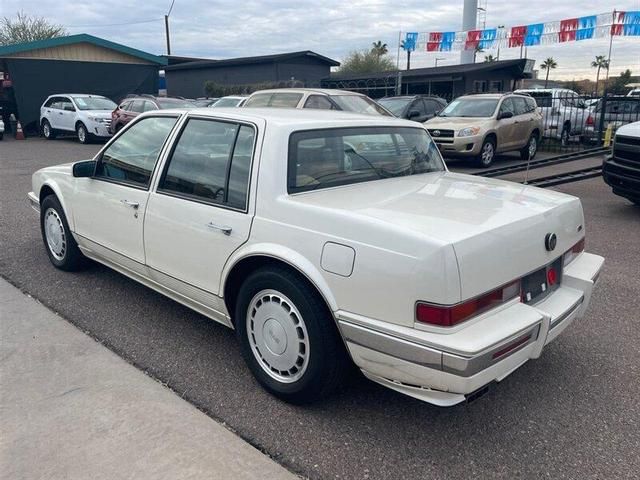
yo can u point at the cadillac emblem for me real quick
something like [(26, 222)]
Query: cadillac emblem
[(550, 241)]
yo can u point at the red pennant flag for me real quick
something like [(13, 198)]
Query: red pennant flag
[(433, 46), (435, 37), (516, 38), (567, 36), (616, 29), (568, 25), (474, 35)]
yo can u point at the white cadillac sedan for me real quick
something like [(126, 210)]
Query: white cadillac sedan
[(325, 238)]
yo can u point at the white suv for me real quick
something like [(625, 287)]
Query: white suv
[(88, 116), (564, 112)]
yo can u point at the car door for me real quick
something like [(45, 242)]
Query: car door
[(506, 128), (199, 214), (417, 111), (67, 115), (55, 112), (431, 107), (109, 208), (524, 121)]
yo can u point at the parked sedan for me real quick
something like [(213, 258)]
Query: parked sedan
[(87, 116), (418, 108), (611, 112), (325, 239), (133, 106)]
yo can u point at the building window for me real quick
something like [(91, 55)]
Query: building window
[(497, 86), (479, 86)]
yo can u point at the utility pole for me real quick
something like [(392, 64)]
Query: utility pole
[(166, 28)]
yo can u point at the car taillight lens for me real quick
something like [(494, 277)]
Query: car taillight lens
[(573, 252), (450, 315), (590, 122)]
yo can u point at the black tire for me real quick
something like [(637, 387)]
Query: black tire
[(67, 255), (484, 158), (47, 131), (525, 152), (326, 364), (1, 136), (83, 134)]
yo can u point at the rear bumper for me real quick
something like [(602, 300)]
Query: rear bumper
[(443, 368)]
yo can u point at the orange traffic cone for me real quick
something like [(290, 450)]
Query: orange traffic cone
[(19, 132)]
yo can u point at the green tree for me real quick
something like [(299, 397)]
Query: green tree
[(548, 64), (365, 61), (25, 28), (618, 84), (599, 62), (379, 48), (490, 58)]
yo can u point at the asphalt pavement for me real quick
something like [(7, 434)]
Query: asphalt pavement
[(573, 413)]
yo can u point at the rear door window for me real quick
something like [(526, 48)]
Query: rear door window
[(319, 102), (137, 106), (507, 106), (520, 105)]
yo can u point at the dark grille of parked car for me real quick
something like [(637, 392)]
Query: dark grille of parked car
[(626, 150), (441, 136)]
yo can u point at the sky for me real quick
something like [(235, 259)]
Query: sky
[(227, 29)]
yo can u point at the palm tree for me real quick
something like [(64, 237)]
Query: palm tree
[(379, 48), (402, 46), (599, 62), (547, 65), (490, 58)]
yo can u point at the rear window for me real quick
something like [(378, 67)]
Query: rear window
[(395, 105), (543, 99), (342, 156), (274, 100), (165, 103)]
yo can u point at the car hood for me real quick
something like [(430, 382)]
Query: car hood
[(456, 123), (496, 228), (97, 113), (631, 130)]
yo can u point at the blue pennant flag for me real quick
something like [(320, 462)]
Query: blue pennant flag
[(410, 41)]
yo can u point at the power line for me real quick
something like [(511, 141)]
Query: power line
[(113, 24), (171, 7)]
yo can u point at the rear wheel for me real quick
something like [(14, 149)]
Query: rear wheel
[(487, 153), (61, 247), (288, 337), (47, 131), (530, 149)]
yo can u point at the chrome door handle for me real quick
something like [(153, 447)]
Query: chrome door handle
[(224, 229), (131, 204)]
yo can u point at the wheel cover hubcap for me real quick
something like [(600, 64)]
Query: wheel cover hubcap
[(46, 130), (533, 146), (487, 153), (81, 134), (278, 336), (54, 234)]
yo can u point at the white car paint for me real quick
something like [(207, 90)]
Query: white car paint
[(96, 121), (371, 249)]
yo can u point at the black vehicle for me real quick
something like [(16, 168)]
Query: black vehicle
[(621, 171), (419, 108)]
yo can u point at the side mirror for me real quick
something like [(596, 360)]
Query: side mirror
[(84, 169), (413, 114), (505, 115)]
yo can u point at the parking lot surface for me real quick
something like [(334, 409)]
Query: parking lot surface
[(573, 413)]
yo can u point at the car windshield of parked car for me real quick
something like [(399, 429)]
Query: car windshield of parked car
[(227, 102), (358, 104), (342, 156), (470, 107), (94, 103), (165, 103), (395, 105)]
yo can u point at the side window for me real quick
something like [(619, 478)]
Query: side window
[(261, 100), (520, 105), (133, 155), (67, 105), (147, 106), (432, 107), (507, 106), (137, 106), (418, 106), (318, 102), (125, 105), (211, 161), (531, 104), (51, 103)]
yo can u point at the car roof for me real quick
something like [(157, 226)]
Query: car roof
[(293, 116), (322, 91)]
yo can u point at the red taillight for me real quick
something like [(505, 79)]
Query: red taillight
[(450, 315), (512, 346), (552, 276), (590, 121)]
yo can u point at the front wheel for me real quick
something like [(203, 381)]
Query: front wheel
[(62, 248), (288, 337), (530, 149), (487, 152), (47, 131), (81, 132)]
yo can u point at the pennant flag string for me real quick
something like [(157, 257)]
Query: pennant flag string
[(615, 23)]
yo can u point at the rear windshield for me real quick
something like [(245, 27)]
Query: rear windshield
[(470, 107), (274, 100), (165, 103), (227, 102), (94, 103), (342, 156), (543, 99), (394, 105), (358, 104)]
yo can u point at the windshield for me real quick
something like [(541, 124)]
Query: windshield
[(94, 103), (227, 102), (342, 156), (395, 105), (165, 103), (358, 104), (470, 107)]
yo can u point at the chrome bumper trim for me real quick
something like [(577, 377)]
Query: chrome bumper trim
[(559, 319), (34, 201)]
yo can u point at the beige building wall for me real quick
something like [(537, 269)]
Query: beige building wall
[(81, 52)]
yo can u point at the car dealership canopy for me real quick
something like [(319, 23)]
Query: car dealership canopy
[(77, 63)]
